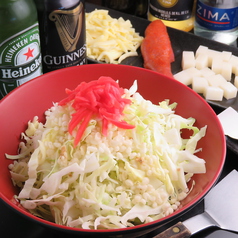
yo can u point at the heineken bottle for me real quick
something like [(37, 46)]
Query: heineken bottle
[(20, 57), (62, 33)]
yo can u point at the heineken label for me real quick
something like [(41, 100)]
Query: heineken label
[(20, 59)]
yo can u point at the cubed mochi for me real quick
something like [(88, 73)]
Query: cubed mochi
[(217, 65), (201, 61), (201, 50), (199, 84), (215, 80), (213, 54), (234, 62), (226, 55), (229, 90), (205, 72), (185, 76), (213, 93), (236, 81), (188, 59), (226, 70)]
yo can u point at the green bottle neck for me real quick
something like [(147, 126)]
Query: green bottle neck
[(15, 16)]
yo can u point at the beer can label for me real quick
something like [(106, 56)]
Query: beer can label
[(217, 19), (171, 10), (20, 59), (63, 38)]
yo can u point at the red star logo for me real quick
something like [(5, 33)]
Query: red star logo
[(29, 54)]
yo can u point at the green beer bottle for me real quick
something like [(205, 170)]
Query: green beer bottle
[(20, 57)]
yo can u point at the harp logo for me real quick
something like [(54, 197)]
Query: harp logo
[(69, 25)]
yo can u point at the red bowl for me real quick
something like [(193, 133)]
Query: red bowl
[(36, 96)]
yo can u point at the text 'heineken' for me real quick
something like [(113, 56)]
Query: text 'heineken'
[(62, 33), (20, 55)]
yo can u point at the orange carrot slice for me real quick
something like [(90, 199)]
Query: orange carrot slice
[(101, 98), (156, 48)]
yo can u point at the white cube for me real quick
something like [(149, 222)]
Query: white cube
[(185, 76), (213, 93), (199, 84), (236, 81), (206, 72), (234, 62), (201, 61), (215, 80), (193, 72), (226, 55), (217, 65), (188, 59), (230, 91), (201, 50), (226, 70), (212, 55)]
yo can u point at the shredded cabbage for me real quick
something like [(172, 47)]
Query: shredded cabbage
[(128, 177)]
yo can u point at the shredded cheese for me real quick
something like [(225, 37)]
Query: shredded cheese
[(109, 39)]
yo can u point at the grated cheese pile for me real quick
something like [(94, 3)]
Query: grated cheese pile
[(109, 39)]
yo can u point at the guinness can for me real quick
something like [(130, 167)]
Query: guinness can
[(62, 33)]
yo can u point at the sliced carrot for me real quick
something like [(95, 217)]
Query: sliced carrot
[(101, 98), (156, 48)]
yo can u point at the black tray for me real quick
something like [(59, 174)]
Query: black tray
[(181, 41)]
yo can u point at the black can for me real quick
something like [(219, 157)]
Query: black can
[(62, 33)]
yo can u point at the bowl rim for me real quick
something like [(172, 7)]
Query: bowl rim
[(151, 224)]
